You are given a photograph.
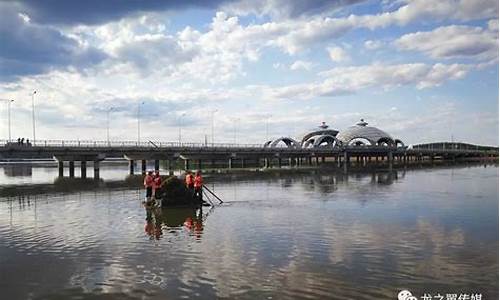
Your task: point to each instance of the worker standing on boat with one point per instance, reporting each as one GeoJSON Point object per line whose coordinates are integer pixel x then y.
{"type": "Point", "coordinates": [156, 183]}
{"type": "Point", "coordinates": [148, 184]}
{"type": "Point", "coordinates": [198, 186]}
{"type": "Point", "coordinates": [190, 182]}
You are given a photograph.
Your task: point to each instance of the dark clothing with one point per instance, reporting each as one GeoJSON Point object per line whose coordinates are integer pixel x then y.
{"type": "Point", "coordinates": [149, 191]}
{"type": "Point", "coordinates": [198, 193]}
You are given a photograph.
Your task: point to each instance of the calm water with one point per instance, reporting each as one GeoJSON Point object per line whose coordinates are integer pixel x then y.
{"type": "Point", "coordinates": [278, 236]}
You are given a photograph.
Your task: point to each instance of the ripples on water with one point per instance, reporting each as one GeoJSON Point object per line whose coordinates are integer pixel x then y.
{"type": "Point", "coordinates": [311, 236]}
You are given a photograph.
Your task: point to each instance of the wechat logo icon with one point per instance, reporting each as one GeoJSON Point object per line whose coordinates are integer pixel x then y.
{"type": "Point", "coordinates": [406, 295]}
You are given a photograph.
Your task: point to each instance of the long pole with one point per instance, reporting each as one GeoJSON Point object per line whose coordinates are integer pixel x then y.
{"type": "Point", "coordinates": [33, 115]}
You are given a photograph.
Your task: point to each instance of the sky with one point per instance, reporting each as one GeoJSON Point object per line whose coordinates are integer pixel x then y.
{"type": "Point", "coordinates": [421, 70]}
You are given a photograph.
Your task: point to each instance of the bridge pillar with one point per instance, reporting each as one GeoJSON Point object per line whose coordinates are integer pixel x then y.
{"type": "Point", "coordinates": [97, 165]}
{"type": "Point", "coordinates": [60, 167]}
{"type": "Point", "coordinates": [186, 164]}
{"type": "Point", "coordinates": [157, 165]}
{"type": "Point", "coordinates": [143, 166]}
{"type": "Point", "coordinates": [131, 167]}
{"type": "Point", "coordinates": [243, 164]}
{"type": "Point", "coordinates": [317, 160]}
{"type": "Point", "coordinates": [290, 161]}
{"type": "Point", "coordinates": [310, 160]}
{"type": "Point", "coordinates": [83, 169]}
{"type": "Point", "coordinates": [199, 164]}
{"type": "Point", "coordinates": [338, 160]}
{"type": "Point", "coordinates": [71, 168]}
{"type": "Point", "coordinates": [279, 162]}
{"type": "Point", "coordinates": [170, 167]}
{"type": "Point", "coordinates": [346, 161]}
{"type": "Point", "coordinates": [230, 163]}
{"type": "Point", "coordinates": [322, 159]}
{"type": "Point", "coordinates": [390, 159]}
{"type": "Point", "coordinates": [266, 163]}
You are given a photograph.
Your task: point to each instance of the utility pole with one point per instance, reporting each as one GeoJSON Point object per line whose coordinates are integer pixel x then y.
{"type": "Point", "coordinates": [33, 115]}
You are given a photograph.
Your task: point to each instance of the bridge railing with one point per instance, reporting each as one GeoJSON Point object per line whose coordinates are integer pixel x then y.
{"type": "Point", "coordinates": [122, 144]}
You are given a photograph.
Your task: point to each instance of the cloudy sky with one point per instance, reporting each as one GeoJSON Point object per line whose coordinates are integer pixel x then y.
{"type": "Point", "coordinates": [422, 70]}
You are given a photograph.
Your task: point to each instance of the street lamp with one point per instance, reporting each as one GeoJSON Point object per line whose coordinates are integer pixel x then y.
{"type": "Point", "coordinates": [267, 127]}
{"type": "Point", "coordinates": [139, 122]}
{"type": "Point", "coordinates": [9, 102]}
{"type": "Point", "coordinates": [235, 123]}
{"type": "Point", "coordinates": [33, 115]}
{"type": "Point", "coordinates": [213, 112]}
{"type": "Point", "coordinates": [107, 123]}
{"type": "Point", "coordinates": [180, 125]}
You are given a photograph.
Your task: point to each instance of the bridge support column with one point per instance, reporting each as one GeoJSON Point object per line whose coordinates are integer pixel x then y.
{"type": "Point", "coordinates": [317, 160]}
{"type": "Point", "coordinates": [199, 164]}
{"type": "Point", "coordinates": [279, 162]}
{"type": "Point", "coordinates": [71, 168]}
{"type": "Point", "coordinates": [186, 164]}
{"type": "Point", "coordinates": [338, 160]}
{"type": "Point", "coordinates": [322, 159]}
{"type": "Point", "coordinates": [83, 169]}
{"type": "Point", "coordinates": [346, 161]}
{"type": "Point", "coordinates": [390, 159]}
{"type": "Point", "coordinates": [266, 163]}
{"type": "Point", "coordinates": [131, 167]}
{"type": "Point", "coordinates": [60, 167]}
{"type": "Point", "coordinates": [157, 165]}
{"type": "Point", "coordinates": [310, 160]}
{"type": "Point", "coordinates": [230, 163]}
{"type": "Point", "coordinates": [290, 162]}
{"type": "Point", "coordinates": [143, 166]}
{"type": "Point", "coordinates": [96, 168]}
{"type": "Point", "coordinates": [243, 164]}
{"type": "Point", "coordinates": [170, 167]}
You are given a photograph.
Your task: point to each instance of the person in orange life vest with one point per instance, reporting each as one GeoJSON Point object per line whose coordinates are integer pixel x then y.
{"type": "Point", "coordinates": [148, 184]}
{"type": "Point", "coordinates": [198, 186]}
{"type": "Point", "coordinates": [156, 183]}
{"type": "Point", "coordinates": [190, 182]}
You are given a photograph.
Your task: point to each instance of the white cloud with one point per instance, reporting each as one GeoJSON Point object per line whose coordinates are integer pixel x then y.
{"type": "Point", "coordinates": [300, 64]}
{"type": "Point", "coordinates": [337, 54]}
{"type": "Point", "coordinates": [453, 42]}
{"type": "Point", "coordinates": [373, 45]}
{"type": "Point", "coordinates": [346, 80]}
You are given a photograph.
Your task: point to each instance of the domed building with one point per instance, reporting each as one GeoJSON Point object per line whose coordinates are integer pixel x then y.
{"type": "Point", "coordinates": [318, 137]}
{"type": "Point", "coordinates": [363, 135]}
{"type": "Point", "coordinates": [321, 137]}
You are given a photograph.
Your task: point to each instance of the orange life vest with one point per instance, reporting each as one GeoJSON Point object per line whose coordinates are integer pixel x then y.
{"type": "Point", "coordinates": [157, 182]}
{"type": "Point", "coordinates": [148, 181]}
{"type": "Point", "coordinates": [198, 181]}
{"type": "Point", "coordinates": [189, 179]}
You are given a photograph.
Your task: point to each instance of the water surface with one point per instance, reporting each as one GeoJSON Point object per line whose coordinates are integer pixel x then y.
{"type": "Point", "coordinates": [312, 235]}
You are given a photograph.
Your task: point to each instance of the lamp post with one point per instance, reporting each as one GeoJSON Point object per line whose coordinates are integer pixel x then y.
{"type": "Point", "coordinates": [213, 112]}
{"type": "Point", "coordinates": [9, 102]}
{"type": "Point", "coordinates": [139, 122]}
{"type": "Point", "coordinates": [235, 123]}
{"type": "Point", "coordinates": [33, 115]}
{"type": "Point", "coordinates": [107, 123]}
{"type": "Point", "coordinates": [180, 125]}
{"type": "Point", "coordinates": [267, 127]}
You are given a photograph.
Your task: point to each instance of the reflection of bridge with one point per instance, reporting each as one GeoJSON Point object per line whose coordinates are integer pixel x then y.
{"type": "Point", "coordinates": [243, 155]}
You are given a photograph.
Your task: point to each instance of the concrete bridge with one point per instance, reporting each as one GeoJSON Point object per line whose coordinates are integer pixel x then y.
{"type": "Point", "coordinates": [198, 156]}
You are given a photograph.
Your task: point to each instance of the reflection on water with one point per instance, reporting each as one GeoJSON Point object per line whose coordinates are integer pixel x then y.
{"type": "Point", "coordinates": [309, 234]}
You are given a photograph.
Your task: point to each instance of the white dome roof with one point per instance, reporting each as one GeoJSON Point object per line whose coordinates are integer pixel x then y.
{"type": "Point", "coordinates": [361, 130]}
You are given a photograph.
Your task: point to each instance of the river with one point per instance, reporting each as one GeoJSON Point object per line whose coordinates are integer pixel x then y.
{"type": "Point", "coordinates": [278, 235]}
